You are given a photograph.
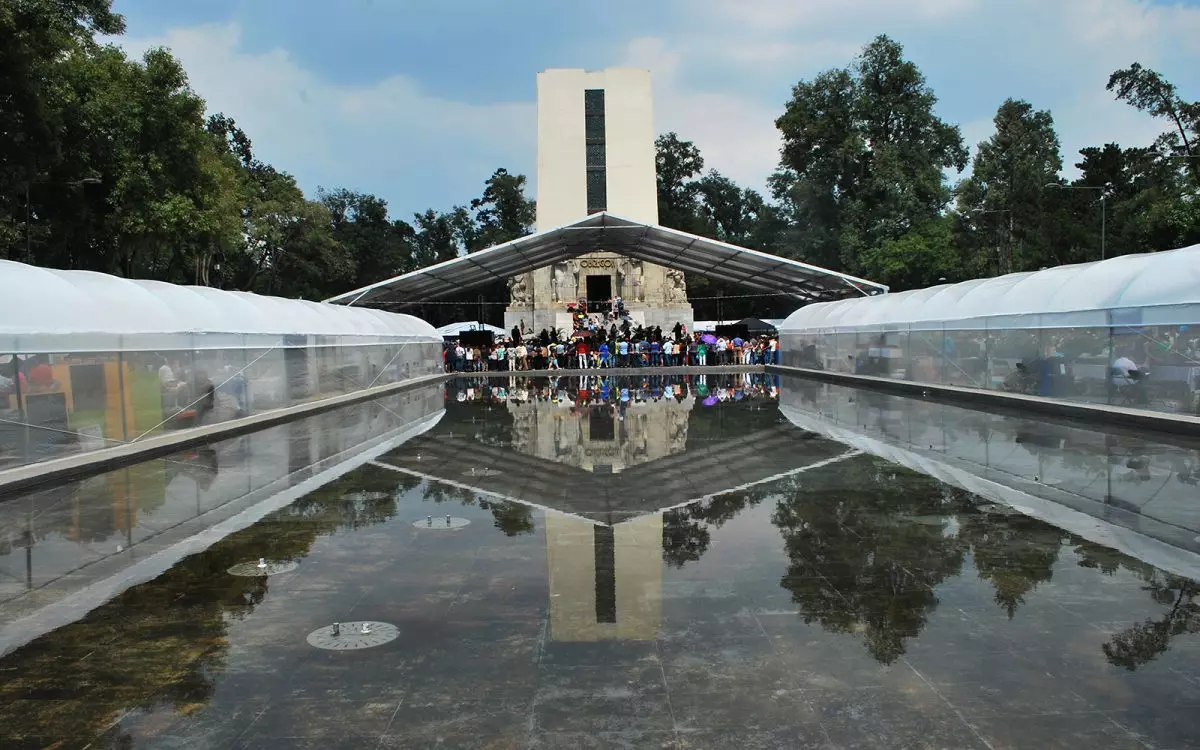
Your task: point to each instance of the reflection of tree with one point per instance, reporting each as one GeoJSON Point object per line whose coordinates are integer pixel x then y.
{"type": "Point", "coordinates": [512, 518]}
{"type": "Point", "coordinates": [686, 530]}
{"type": "Point", "coordinates": [731, 419]}
{"type": "Point", "coordinates": [1015, 553]}
{"type": "Point", "coordinates": [857, 560]}
{"type": "Point", "coordinates": [363, 497]}
{"type": "Point", "coordinates": [1145, 641]}
{"type": "Point", "coordinates": [158, 645]}
{"type": "Point", "coordinates": [1107, 560]}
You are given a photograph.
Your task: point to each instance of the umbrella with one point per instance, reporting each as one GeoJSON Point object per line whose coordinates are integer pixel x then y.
{"type": "Point", "coordinates": [710, 401]}
{"type": "Point", "coordinates": [708, 338]}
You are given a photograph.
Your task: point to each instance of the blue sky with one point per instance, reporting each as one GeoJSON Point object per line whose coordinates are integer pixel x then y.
{"type": "Point", "coordinates": [418, 101]}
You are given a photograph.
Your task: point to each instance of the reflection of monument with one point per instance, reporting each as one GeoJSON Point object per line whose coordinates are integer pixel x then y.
{"type": "Point", "coordinates": [605, 581]}
{"type": "Point", "coordinates": [596, 153]}
{"type": "Point", "coordinates": [603, 438]}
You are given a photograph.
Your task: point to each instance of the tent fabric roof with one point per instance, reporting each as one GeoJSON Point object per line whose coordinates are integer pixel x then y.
{"type": "Point", "coordinates": [604, 231]}
{"type": "Point", "coordinates": [454, 329]}
{"type": "Point", "coordinates": [48, 310]}
{"type": "Point", "coordinates": [1145, 289]}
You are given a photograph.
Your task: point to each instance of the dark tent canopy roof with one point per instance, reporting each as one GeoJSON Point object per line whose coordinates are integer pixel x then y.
{"type": "Point", "coordinates": [756, 325]}
{"type": "Point", "coordinates": [650, 243]}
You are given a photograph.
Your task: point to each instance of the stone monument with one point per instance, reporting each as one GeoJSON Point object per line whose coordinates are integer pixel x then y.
{"type": "Point", "coordinates": [596, 153]}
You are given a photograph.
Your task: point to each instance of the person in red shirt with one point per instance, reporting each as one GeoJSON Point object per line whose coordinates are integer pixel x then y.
{"type": "Point", "coordinates": [581, 351]}
{"type": "Point", "coordinates": [41, 376]}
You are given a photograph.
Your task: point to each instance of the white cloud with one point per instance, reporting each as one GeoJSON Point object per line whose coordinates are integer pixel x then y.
{"type": "Point", "coordinates": [723, 80]}
{"type": "Point", "coordinates": [376, 137]}
{"type": "Point", "coordinates": [735, 134]}
{"type": "Point", "coordinates": [722, 76]}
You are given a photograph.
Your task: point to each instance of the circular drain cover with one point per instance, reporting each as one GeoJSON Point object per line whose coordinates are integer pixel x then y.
{"type": "Point", "coordinates": [441, 522]}
{"type": "Point", "coordinates": [252, 569]}
{"type": "Point", "coordinates": [484, 472]}
{"type": "Point", "coordinates": [350, 636]}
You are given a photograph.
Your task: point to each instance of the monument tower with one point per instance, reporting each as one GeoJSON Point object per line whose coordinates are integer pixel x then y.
{"type": "Point", "coordinates": [596, 153]}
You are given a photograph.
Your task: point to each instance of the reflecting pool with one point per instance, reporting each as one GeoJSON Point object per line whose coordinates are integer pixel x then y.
{"type": "Point", "coordinates": [714, 561]}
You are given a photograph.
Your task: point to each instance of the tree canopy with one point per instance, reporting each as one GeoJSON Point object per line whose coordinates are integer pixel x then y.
{"type": "Point", "coordinates": [114, 164]}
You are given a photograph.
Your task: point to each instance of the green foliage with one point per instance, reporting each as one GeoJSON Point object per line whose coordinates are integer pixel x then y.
{"type": "Point", "coordinates": [113, 164]}
{"type": "Point", "coordinates": [1005, 196]}
{"type": "Point", "coordinates": [863, 157]}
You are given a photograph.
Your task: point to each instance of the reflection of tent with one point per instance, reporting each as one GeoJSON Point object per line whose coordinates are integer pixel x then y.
{"type": "Point", "coordinates": [756, 325]}
{"type": "Point", "coordinates": [454, 330]}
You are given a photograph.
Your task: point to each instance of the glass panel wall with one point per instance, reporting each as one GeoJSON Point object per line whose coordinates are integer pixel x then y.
{"type": "Point", "coordinates": [60, 403]}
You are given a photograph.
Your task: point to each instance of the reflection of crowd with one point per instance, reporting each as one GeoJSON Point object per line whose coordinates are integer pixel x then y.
{"type": "Point", "coordinates": [618, 390]}
{"type": "Point", "coordinates": [595, 347]}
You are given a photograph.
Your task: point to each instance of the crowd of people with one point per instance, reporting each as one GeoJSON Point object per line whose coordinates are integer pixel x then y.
{"type": "Point", "coordinates": [597, 347]}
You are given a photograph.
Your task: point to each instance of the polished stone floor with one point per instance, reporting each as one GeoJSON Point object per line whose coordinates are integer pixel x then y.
{"type": "Point", "coordinates": [822, 597]}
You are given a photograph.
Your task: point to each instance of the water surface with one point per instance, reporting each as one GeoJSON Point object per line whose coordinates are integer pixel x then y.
{"type": "Point", "coordinates": [648, 563]}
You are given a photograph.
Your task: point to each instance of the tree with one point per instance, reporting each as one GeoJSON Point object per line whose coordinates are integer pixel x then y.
{"type": "Point", "coordinates": [923, 257]}
{"type": "Point", "coordinates": [379, 248]}
{"type": "Point", "coordinates": [712, 205]}
{"type": "Point", "coordinates": [1147, 91]}
{"type": "Point", "coordinates": [863, 157]}
{"type": "Point", "coordinates": [502, 213]}
{"type": "Point", "coordinates": [1006, 191]}
{"type": "Point", "coordinates": [40, 40]}
{"type": "Point", "coordinates": [290, 250]}
{"type": "Point", "coordinates": [1149, 201]}
{"type": "Point", "coordinates": [677, 165]}
{"type": "Point", "coordinates": [435, 240]}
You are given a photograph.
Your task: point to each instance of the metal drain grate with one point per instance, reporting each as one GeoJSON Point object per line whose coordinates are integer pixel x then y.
{"type": "Point", "coordinates": [348, 636]}
{"type": "Point", "coordinates": [255, 569]}
{"type": "Point", "coordinates": [484, 472]}
{"type": "Point", "coordinates": [441, 522]}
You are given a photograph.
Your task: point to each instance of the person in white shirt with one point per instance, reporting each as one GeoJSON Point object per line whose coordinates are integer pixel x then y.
{"type": "Point", "coordinates": [1122, 371]}
{"type": "Point", "coordinates": [1128, 379]}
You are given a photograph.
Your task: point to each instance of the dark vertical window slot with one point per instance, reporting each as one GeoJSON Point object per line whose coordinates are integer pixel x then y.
{"type": "Point", "coordinates": [606, 574]}
{"type": "Point", "coordinates": [597, 177]}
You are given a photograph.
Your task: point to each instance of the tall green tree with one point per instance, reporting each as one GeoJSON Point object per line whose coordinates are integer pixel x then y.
{"type": "Point", "coordinates": [379, 247]}
{"type": "Point", "coordinates": [863, 157]}
{"type": "Point", "coordinates": [502, 213]}
{"type": "Point", "coordinates": [678, 165]}
{"type": "Point", "coordinates": [436, 238]}
{"type": "Point", "coordinates": [40, 38]}
{"type": "Point", "coordinates": [290, 250]}
{"type": "Point", "coordinates": [1005, 197]}
{"type": "Point", "coordinates": [1148, 91]}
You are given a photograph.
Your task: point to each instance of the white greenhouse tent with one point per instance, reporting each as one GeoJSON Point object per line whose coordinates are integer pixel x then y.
{"type": "Point", "coordinates": [454, 330]}
{"type": "Point", "coordinates": [1145, 289]}
{"type": "Point", "coordinates": [47, 310]}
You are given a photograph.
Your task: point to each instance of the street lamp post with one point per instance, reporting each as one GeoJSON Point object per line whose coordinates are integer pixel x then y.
{"type": "Point", "coordinates": [29, 207]}
{"type": "Point", "coordinates": [1103, 209]}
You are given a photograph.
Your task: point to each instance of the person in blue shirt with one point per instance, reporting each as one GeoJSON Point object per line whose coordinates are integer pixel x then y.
{"type": "Point", "coordinates": [623, 353]}
{"type": "Point", "coordinates": [604, 355]}
{"type": "Point", "coordinates": [655, 354]}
